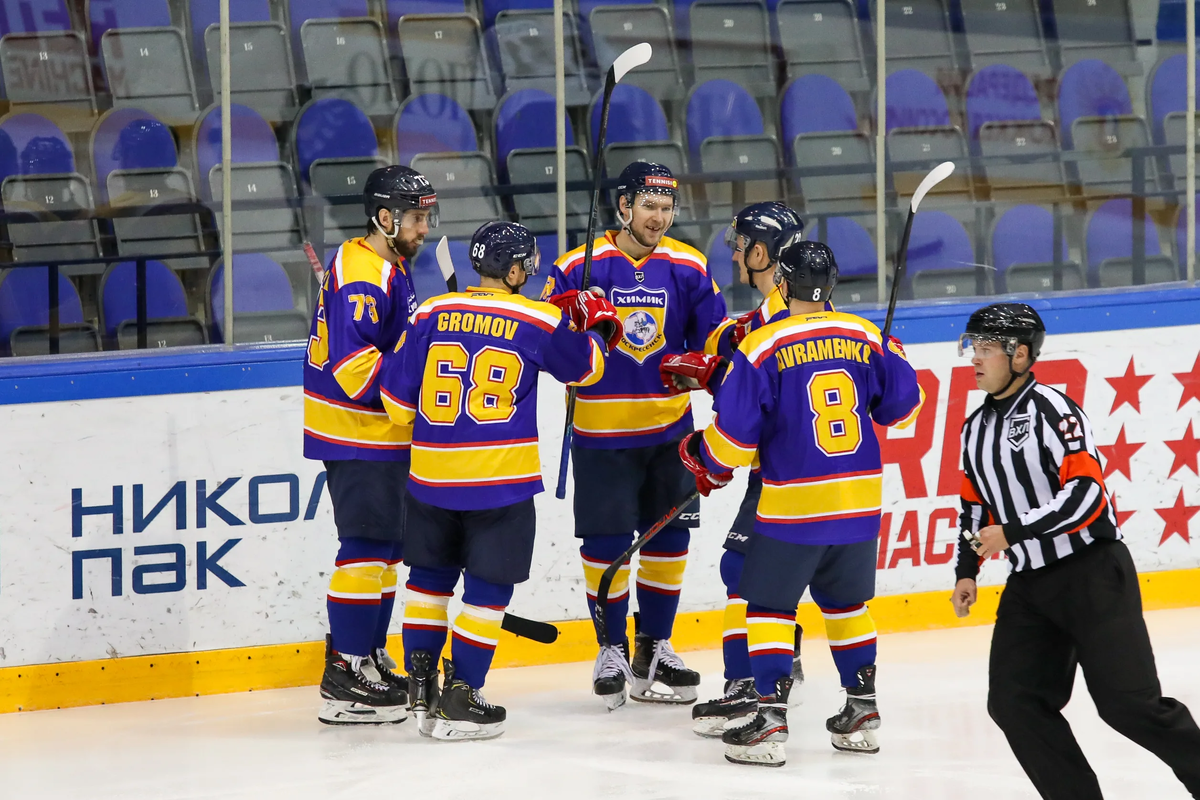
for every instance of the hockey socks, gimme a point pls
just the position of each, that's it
(477, 628)
(659, 579)
(733, 640)
(598, 552)
(771, 635)
(426, 623)
(355, 593)
(852, 638)
(387, 601)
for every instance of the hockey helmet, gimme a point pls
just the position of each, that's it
(763, 222)
(496, 245)
(398, 189)
(642, 177)
(807, 269)
(1009, 324)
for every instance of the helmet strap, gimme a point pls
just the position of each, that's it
(389, 237)
(1013, 375)
(515, 289)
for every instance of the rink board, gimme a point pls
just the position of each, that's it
(162, 535)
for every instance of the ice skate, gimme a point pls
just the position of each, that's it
(352, 698)
(759, 742)
(738, 705)
(462, 713)
(656, 664)
(611, 675)
(853, 729)
(423, 690)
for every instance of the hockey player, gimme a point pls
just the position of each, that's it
(466, 379)
(803, 393)
(627, 428)
(362, 310)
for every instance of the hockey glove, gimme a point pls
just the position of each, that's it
(741, 328)
(682, 372)
(706, 479)
(591, 311)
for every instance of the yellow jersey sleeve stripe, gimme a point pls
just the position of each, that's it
(725, 450)
(596, 370)
(400, 412)
(355, 372)
(908, 421)
(710, 344)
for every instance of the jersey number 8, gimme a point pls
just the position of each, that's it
(833, 398)
(492, 394)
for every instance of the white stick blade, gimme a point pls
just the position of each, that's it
(935, 176)
(443, 259)
(633, 57)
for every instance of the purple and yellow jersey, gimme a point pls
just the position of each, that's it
(362, 310)
(465, 378)
(802, 392)
(668, 303)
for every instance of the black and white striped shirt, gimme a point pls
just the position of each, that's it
(1030, 464)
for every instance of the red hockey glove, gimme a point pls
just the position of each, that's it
(741, 328)
(706, 479)
(600, 315)
(683, 372)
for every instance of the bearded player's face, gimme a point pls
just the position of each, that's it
(652, 217)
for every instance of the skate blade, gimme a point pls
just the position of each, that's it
(343, 712)
(445, 730)
(647, 691)
(715, 727)
(861, 741)
(424, 722)
(766, 754)
(795, 698)
(613, 701)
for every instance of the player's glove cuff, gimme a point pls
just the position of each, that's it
(706, 479)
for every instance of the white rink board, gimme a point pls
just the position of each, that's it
(283, 558)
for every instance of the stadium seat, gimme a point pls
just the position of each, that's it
(1022, 245)
(1109, 241)
(941, 260)
(854, 251)
(433, 123)
(135, 164)
(443, 51)
(42, 181)
(923, 149)
(427, 276)
(344, 53)
(823, 37)
(25, 314)
(915, 101)
(1181, 238)
(1166, 100)
(1039, 178)
(725, 134)
(525, 154)
(262, 302)
(1008, 33)
(145, 58)
(613, 26)
(45, 63)
(720, 260)
(261, 72)
(167, 321)
(1097, 118)
(999, 93)
(815, 104)
(1096, 29)
(851, 190)
(524, 43)
(257, 175)
(1090, 88)
(919, 37)
(730, 40)
(336, 149)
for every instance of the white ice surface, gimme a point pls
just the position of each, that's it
(937, 741)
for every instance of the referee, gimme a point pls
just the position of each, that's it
(1033, 488)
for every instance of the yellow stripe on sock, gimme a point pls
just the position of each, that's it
(357, 583)
(592, 570)
(735, 618)
(429, 610)
(662, 572)
(848, 627)
(479, 625)
(767, 634)
(388, 580)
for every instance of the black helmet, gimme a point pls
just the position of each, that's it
(496, 245)
(763, 222)
(808, 269)
(399, 189)
(1010, 324)
(644, 177)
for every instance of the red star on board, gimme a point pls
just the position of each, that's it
(1187, 452)
(1176, 519)
(1190, 381)
(1122, 516)
(1127, 387)
(1117, 454)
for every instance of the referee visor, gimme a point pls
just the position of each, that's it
(969, 343)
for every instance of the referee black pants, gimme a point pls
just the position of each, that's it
(1086, 610)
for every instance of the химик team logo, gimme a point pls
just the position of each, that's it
(643, 313)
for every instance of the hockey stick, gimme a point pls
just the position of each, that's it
(446, 267)
(541, 632)
(314, 262)
(935, 176)
(600, 618)
(633, 57)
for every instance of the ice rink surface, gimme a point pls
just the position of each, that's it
(937, 741)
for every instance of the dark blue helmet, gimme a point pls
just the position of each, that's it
(399, 189)
(644, 177)
(496, 245)
(808, 269)
(764, 222)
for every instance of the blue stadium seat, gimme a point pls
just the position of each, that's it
(1090, 88)
(915, 101)
(167, 321)
(1109, 248)
(634, 116)
(720, 259)
(1097, 119)
(253, 142)
(521, 36)
(336, 150)
(262, 302)
(493, 7)
(344, 53)
(128, 139)
(815, 104)
(730, 41)
(145, 59)
(719, 108)
(1095, 29)
(548, 251)
(427, 277)
(1022, 244)
(919, 36)
(941, 260)
(261, 71)
(442, 48)
(823, 37)
(610, 27)
(999, 93)
(44, 62)
(40, 146)
(1181, 238)
(1166, 92)
(25, 314)
(433, 123)
(820, 126)
(525, 155)
(854, 250)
